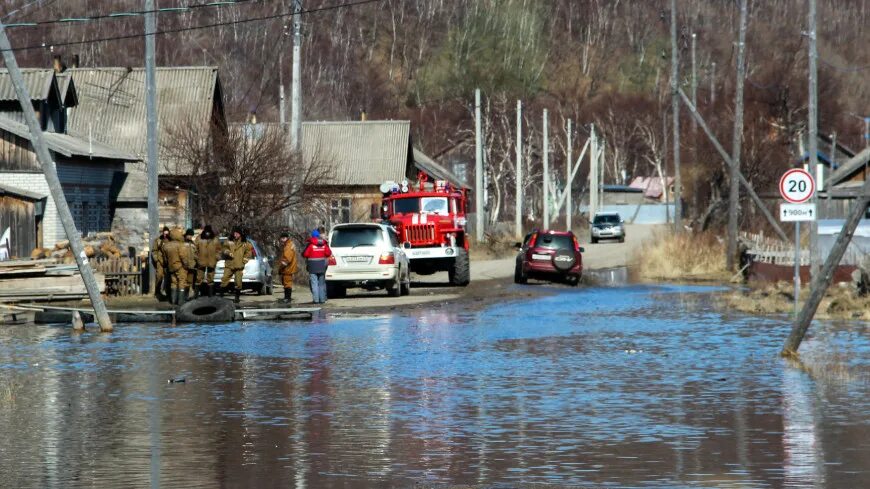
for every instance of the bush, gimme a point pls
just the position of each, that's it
(683, 256)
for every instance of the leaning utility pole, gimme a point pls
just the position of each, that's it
(478, 169)
(546, 152)
(48, 168)
(675, 108)
(813, 130)
(568, 181)
(296, 90)
(151, 133)
(518, 216)
(822, 280)
(737, 140)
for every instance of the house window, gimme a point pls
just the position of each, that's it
(339, 211)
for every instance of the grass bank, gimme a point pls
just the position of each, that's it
(838, 303)
(683, 257)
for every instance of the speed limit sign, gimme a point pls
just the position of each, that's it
(797, 186)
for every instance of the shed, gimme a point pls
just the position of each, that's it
(21, 212)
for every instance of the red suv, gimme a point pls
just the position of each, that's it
(549, 255)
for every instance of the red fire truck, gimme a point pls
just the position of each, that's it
(429, 218)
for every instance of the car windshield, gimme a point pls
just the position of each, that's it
(435, 205)
(607, 219)
(405, 206)
(349, 237)
(555, 241)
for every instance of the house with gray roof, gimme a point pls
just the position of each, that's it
(88, 169)
(362, 155)
(111, 111)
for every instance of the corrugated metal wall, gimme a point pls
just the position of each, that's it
(19, 216)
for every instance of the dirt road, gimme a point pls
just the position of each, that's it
(490, 279)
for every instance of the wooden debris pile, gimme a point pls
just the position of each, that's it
(99, 245)
(43, 279)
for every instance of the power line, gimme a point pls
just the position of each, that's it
(134, 13)
(43, 45)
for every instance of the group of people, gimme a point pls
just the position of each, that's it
(185, 264)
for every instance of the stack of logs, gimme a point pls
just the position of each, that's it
(100, 245)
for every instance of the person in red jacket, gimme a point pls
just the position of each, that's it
(317, 255)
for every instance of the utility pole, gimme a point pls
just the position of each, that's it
(593, 174)
(813, 134)
(568, 180)
(48, 168)
(675, 108)
(518, 217)
(151, 131)
(546, 152)
(478, 169)
(282, 115)
(737, 141)
(296, 90)
(695, 103)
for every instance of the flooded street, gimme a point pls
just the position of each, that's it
(624, 386)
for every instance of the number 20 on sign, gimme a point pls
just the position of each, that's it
(797, 186)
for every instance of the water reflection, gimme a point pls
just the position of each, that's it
(625, 385)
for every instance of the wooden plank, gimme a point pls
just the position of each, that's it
(27, 263)
(47, 285)
(38, 307)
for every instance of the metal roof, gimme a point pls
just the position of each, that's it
(360, 152)
(27, 194)
(434, 169)
(39, 83)
(849, 168)
(67, 145)
(111, 105)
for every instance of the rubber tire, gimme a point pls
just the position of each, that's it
(622, 239)
(394, 289)
(519, 276)
(260, 289)
(564, 266)
(460, 274)
(573, 280)
(207, 310)
(335, 291)
(406, 285)
(593, 240)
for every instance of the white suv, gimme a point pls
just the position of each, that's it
(367, 255)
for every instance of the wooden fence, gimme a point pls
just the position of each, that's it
(124, 276)
(775, 252)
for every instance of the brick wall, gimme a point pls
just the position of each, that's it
(52, 230)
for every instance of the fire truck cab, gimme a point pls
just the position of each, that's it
(430, 221)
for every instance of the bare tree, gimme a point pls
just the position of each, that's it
(245, 176)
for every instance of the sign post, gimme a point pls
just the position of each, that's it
(797, 186)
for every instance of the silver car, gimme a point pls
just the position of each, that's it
(608, 225)
(257, 275)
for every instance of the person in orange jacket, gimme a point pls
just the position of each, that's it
(317, 255)
(287, 266)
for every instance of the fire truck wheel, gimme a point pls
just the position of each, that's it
(460, 274)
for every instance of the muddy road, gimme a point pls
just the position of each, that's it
(623, 386)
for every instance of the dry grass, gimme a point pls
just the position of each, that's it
(838, 303)
(494, 246)
(8, 389)
(684, 256)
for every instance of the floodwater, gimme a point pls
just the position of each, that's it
(620, 386)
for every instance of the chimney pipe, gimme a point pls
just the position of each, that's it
(57, 64)
(362, 115)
